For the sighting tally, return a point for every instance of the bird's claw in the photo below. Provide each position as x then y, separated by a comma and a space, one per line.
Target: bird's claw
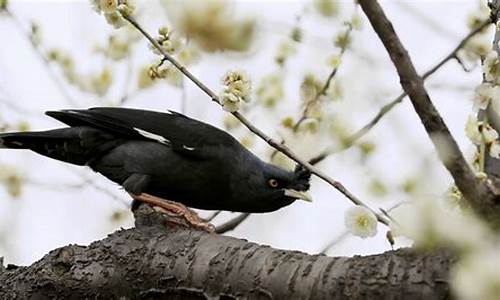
176, 210
190, 217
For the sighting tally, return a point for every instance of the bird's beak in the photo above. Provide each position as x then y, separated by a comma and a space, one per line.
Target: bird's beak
298, 195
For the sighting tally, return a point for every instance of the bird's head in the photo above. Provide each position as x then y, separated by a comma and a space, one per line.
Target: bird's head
275, 188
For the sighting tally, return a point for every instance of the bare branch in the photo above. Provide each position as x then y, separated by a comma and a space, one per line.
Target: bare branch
480, 194
335, 242
232, 224
273, 143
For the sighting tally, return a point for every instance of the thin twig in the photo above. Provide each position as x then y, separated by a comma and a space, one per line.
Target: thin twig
480, 193
317, 97
42, 57
231, 224
335, 242
273, 143
213, 216
389, 106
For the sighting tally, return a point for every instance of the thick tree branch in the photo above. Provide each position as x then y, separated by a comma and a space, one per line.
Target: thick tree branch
153, 261
479, 193
272, 142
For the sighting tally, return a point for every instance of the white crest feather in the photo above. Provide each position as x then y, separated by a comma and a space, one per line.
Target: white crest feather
188, 148
152, 136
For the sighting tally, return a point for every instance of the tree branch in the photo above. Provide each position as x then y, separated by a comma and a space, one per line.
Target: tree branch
272, 142
153, 261
232, 224
389, 106
326, 85
480, 194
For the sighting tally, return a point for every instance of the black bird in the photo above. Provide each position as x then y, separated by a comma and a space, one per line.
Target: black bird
157, 156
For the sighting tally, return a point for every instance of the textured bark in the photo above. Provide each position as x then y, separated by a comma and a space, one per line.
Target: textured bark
154, 261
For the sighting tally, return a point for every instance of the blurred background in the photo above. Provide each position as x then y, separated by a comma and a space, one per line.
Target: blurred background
62, 54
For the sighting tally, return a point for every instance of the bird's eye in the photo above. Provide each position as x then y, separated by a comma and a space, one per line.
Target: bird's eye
273, 183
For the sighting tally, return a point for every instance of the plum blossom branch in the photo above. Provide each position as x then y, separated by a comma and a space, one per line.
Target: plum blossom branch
389, 106
324, 89
273, 143
480, 193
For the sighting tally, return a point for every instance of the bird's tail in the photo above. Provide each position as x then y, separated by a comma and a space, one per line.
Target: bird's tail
20, 140
76, 145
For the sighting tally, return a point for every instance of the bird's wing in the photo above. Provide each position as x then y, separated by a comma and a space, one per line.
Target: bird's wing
183, 134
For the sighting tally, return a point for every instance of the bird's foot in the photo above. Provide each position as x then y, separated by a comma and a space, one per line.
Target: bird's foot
175, 209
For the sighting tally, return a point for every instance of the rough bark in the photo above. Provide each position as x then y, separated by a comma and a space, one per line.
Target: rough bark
154, 261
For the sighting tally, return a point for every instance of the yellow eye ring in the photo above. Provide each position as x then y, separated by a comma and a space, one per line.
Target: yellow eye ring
273, 183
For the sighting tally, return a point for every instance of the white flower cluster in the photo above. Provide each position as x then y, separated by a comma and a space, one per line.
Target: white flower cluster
326, 8
175, 46
430, 223
360, 221
113, 10
212, 25
270, 89
491, 70
479, 45
484, 94
237, 88
168, 42
487, 93
480, 132
477, 276
96, 83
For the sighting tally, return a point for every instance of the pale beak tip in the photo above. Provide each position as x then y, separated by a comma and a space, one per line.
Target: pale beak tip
298, 195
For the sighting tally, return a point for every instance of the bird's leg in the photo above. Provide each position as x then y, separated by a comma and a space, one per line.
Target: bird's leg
175, 209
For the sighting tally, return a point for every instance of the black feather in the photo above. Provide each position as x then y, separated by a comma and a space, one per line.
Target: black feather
165, 154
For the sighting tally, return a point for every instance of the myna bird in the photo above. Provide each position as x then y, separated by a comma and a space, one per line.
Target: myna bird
157, 156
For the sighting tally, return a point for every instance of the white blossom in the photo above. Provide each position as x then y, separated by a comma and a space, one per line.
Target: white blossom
212, 25
108, 6
327, 8
430, 223
360, 221
477, 276
489, 133
230, 102
476, 47
237, 88
113, 10
472, 130
115, 19
485, 93
495, 149
270, 89
491, 67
